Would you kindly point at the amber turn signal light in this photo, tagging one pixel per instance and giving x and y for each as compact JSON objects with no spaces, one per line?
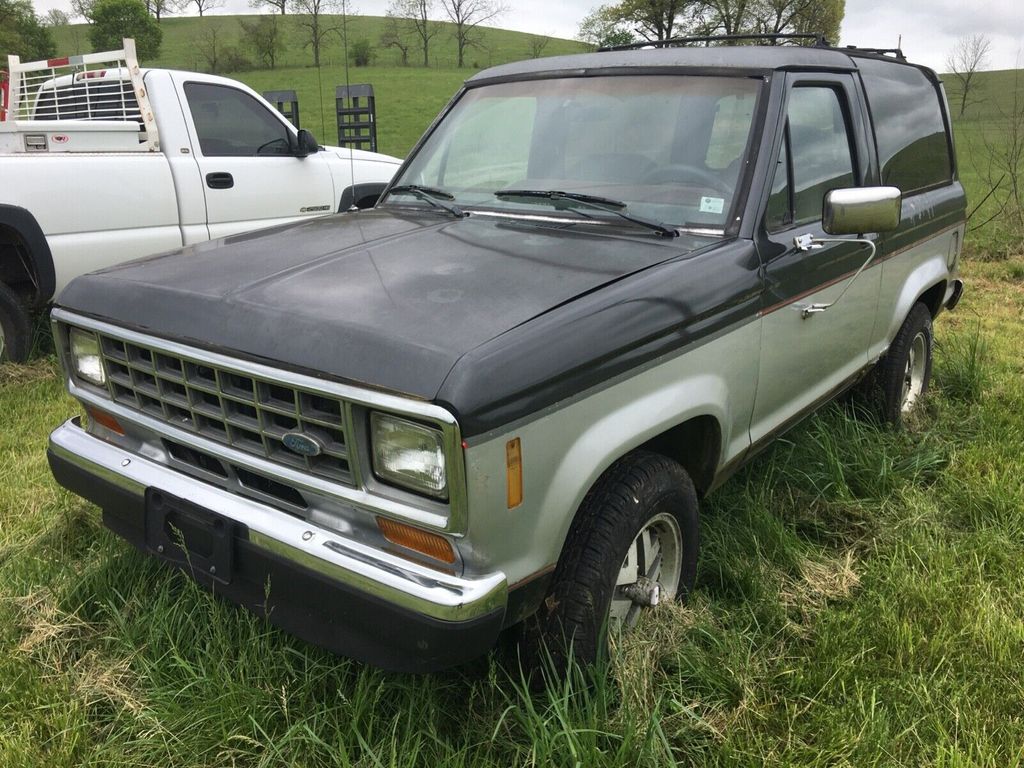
{"x":429,"y":544}
{"x":104,"y":419}
{"x":514,"y":472}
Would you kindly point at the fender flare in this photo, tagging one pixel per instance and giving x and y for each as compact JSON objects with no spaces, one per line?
{"x":923,"y":278}
{"x":593,"y":454}
{"x":362,"y":190}
{"x":24,"y":224}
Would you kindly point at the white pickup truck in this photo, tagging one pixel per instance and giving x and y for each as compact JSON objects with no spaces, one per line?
{"x":102,"y":162}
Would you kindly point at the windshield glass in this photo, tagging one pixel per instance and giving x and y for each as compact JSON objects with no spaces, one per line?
{"x":670,"y":147}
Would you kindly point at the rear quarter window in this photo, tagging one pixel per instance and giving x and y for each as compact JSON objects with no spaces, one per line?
{"x":913,"y":149}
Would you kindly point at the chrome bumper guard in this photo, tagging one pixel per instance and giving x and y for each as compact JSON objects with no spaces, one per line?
{"x":376,"y":574}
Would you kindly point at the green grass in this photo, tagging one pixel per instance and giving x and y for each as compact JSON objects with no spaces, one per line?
{"x":858,"y":600}
{"x":408,"y":98}
{"x":858,"y":603}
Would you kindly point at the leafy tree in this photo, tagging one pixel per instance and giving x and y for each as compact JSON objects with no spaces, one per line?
{"x":362,"y":52}
{"x":603,"y":29}
{"x":83,"y":9}
{"x":264,"y":36}
{"x":656,"y":20}
{"x":21,"y":33}
{"x":113,"y":20}
{"x":466,"y":16}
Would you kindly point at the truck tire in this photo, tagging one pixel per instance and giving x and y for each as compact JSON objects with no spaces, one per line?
{"x":645,"y":505}
{"x":900,"y":379}
{"x":15,"y":327}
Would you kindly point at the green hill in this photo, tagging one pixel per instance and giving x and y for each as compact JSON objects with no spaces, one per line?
{"x":408,"y":97}
{"x":990,"y":152}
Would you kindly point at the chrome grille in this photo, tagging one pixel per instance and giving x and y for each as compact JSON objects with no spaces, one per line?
{"x":249,"y":413}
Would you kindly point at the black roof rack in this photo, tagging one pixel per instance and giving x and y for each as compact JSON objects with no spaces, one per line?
{"x":897,"y":52}
{"x":672,"y":42}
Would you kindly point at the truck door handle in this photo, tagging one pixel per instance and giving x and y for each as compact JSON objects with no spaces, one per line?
{"x":220,"y":180}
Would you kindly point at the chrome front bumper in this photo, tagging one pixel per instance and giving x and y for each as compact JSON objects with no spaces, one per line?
{"x":379,"y":577}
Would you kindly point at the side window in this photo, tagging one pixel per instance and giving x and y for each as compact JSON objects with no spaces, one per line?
{"x":910,"y":129}
{"x":231,"y":123}
{"x":815,"y":158}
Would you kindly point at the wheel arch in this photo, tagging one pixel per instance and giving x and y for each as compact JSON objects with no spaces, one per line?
{"x":19,"y":227}
{"x":926,"y":284}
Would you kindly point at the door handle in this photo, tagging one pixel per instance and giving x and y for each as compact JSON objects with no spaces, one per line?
{"x":220,"y":180}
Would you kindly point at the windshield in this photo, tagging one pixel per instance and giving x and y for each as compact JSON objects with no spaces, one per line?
{"x":669,"y":148}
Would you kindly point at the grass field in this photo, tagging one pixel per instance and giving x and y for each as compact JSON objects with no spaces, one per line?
{"x":858,"y":603}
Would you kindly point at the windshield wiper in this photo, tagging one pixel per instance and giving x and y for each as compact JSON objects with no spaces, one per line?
{"x":430,"y":195}
{"x":570,"y":200}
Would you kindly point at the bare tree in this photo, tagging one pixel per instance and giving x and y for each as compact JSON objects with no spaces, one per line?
{"x":467,"y":15}
{"x":205,"y":5}
{"x":210,"y":45}
{"x":537,"y":45}
{"x":55,"y":17}
{"x":313,"y":19}
{"x":397,"y":34}
{"x":969,"y":55}
{"x":160,"y":8}
{"x":276,"y":4}
{"x":264,"y":38}
{"x":417,"y":15}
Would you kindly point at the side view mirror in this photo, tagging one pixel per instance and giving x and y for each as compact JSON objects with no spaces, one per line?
{"x":306,"y":144}
{"x":856,"y":210}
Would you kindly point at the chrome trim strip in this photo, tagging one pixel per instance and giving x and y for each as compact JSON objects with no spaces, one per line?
{"x":378,"y":574}
{"x":454,"y":522}
{"x":354,"y":496}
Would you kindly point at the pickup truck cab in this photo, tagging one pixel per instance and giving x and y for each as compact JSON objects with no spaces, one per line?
{"x":103,"y":162}
{"x":598,"y":285}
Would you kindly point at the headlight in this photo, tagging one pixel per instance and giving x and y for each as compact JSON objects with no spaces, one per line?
{"x":409,"y":454}
{"x":85,"y":357}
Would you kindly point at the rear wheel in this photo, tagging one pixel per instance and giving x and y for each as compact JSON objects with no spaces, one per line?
{"x":900,"y":380}
{"x":632,"y":546}
{"x":15,"y":327}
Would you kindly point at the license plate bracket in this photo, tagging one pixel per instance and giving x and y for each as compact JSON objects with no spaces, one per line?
{"x":198,"y":539}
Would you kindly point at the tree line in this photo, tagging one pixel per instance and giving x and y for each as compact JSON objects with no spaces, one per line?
{"x":633,"y":21}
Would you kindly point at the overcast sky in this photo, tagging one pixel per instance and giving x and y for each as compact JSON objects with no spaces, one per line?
{"x":929,"y":27}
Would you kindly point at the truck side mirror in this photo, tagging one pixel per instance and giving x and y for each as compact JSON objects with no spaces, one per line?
{"x":306,"y":144}
{"x":861,"y":209}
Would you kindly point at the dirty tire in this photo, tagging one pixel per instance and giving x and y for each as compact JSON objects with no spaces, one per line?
{"x":635,"y":490}
{"x":887,"y":385}
{"x":15,"y":327}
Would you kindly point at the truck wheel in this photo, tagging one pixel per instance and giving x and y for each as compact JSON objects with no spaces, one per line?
{"x":901,"y":378}
{"x":633,"y":545}
{"x":15,"y":327}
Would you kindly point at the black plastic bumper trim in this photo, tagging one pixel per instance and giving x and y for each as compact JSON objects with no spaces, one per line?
{"x":300,"y":601}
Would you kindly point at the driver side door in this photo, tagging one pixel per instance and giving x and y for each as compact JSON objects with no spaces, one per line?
{"x":250,"y":177}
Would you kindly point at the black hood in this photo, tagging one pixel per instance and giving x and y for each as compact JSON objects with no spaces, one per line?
{"x":390,"y":299}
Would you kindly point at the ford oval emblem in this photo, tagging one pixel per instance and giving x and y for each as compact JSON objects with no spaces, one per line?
{"x":302,"y":444}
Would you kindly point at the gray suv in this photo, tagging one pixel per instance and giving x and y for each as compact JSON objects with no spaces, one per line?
{"x":598,"y":285}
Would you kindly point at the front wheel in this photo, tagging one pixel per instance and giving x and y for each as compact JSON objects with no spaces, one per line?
{"x":633,"y":545}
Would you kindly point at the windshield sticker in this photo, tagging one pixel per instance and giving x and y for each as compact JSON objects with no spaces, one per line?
{"x":712,"y":204}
